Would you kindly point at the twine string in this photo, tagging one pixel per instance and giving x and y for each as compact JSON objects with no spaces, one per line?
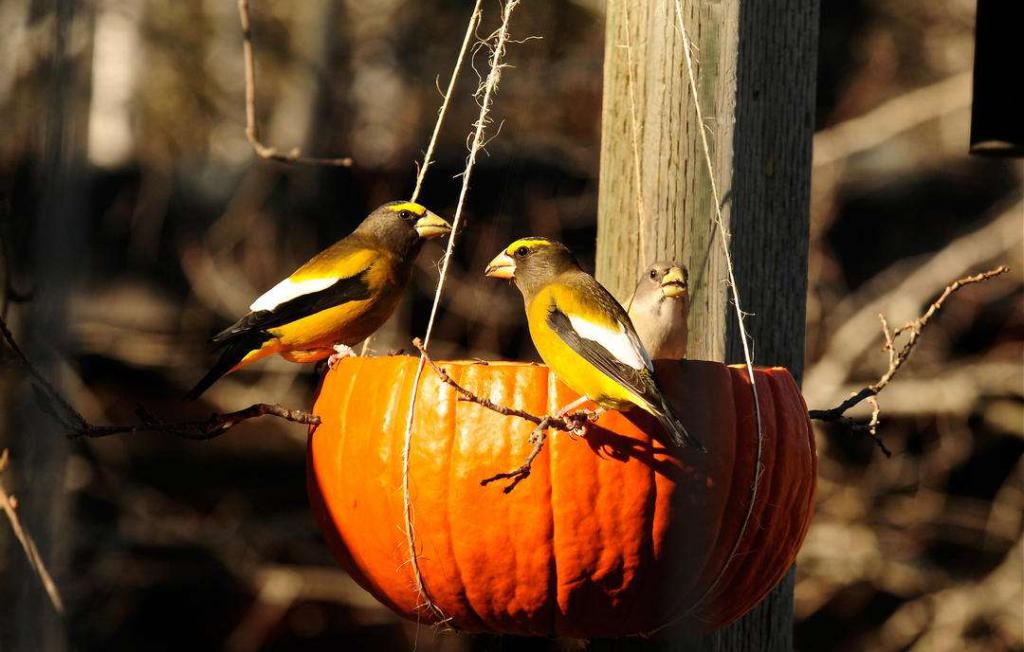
{"x":428,"y":157}
{"x":486,"y":93}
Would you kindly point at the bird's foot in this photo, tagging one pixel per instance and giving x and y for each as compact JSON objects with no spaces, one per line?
{"x":579,"y":420}
{"x":341,"y":351}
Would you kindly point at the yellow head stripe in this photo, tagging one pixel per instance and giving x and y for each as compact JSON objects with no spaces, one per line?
{"x":410,"y":206}
{"x":530,"y":243}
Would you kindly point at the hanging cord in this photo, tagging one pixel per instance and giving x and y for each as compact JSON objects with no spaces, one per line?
{"x":474,"y":20}
{"x":428,"y":157}
{"x":739,"y":316}
{"x":488,"y":89}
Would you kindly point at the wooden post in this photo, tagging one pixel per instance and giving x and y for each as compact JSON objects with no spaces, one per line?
{"x":755,"y":63}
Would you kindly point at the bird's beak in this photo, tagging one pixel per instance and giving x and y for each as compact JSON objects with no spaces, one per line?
{"x":501,"y":267}
{"x":673,"y":283}
{"x":432,"y":226}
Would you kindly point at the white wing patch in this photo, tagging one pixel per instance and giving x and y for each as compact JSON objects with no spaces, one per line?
{"x":617,"y":342}
{"x":288,"y":289}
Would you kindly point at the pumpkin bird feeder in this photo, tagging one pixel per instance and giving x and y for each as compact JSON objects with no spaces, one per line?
{"x":611,"y":534}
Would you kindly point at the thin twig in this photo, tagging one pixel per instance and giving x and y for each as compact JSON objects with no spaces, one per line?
{"x":9,"y":505}
{"x":897,"y":357}
{"x":78,"y":427}
{"x":252,"y":130}
{"x":517,"y":475}
{"x":199,"y":429}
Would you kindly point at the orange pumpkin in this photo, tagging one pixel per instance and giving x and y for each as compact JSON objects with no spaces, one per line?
{"x":611,"y":535}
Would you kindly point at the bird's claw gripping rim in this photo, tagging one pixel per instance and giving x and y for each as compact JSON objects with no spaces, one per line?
{"x":579,"y":420}
{"x":341,"y":351}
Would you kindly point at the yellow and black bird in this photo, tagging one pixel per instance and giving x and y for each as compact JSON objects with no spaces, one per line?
{"x":583,"y":334}
{"x":659,"y":308}
{"x":337,"y":299}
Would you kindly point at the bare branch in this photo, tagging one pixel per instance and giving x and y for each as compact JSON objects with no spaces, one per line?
{"x":197,"y":429}
{"x":517,"y":475}
{"x":900,"y":292}
{"x":897,"y":357}
{"x":252,"y":130}
{"x":9,"y":505}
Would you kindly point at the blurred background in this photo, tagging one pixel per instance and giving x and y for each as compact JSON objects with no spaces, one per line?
{"x":136,"y":222}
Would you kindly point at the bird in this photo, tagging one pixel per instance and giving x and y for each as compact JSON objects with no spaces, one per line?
{"x":583,"y":334}
{"x":336,"y":299}
{"x":659,"y":308}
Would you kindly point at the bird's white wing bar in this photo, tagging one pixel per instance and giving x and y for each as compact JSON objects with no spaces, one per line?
{"x":616,"y":342}
{"x":288,"y":289}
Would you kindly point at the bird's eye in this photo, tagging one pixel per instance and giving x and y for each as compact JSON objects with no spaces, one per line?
{"x":654,"y":273}
{"x":405,"y":215}
{"x":521,"y":252}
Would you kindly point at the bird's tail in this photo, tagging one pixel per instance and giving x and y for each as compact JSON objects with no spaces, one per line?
{"x":676,"y":432}
{"x":233,"y":352}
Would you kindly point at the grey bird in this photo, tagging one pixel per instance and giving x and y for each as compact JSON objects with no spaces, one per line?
{"x":659,"y":308}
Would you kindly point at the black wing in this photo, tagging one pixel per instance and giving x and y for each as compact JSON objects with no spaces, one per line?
{"x":638,"y":381}
{"x":352,"y":288}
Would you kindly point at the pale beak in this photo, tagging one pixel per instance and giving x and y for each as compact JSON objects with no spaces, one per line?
{"x":431,"y":226}
{"x":501,"y":267}
{"x":673,"y":283}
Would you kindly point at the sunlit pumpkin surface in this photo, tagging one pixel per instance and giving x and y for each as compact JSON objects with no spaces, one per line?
{"x":612,"y":534}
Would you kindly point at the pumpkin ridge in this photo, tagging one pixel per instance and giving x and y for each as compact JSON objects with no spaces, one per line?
{"x":808,"y":459}
{"x":712,"y":560}
{"x":354,"y":568}
{"x":650,"y":511}
{"x":699,"y":598}
{"x":512,"y":463}
{"x":540,"y":620}
{"x":809,"y":438}
{"x":558,"y":610}
{"x":757,"y":536}
{"x":747,"y":542}
{"x":792,"y":526}
{"x":805,"y":485}
{"x":453,"y":398}
{"x":771,"y":522}
{"x":506,"y":617}
{"x":785,"y":455}
{"x":398,"y":405}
